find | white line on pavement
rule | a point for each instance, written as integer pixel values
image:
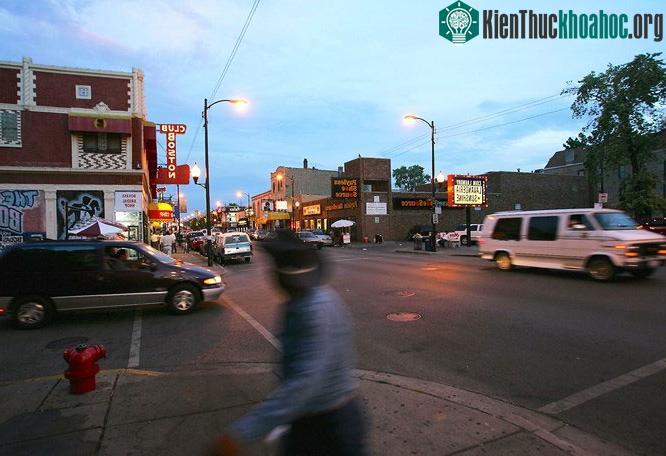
(135, 344)
(595, 391)
(255, 324)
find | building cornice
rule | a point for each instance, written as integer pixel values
(62, 170)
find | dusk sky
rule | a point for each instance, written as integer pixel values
(327, 81)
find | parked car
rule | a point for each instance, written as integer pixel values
(259, 235)
(325, 239)
(41, 279)
(460, 233)
(602, 242)
(310, 238)
(191, 236)
(198, 244)
(655, 224)
(232, 246)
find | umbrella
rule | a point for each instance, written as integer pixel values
(342, 224)
(99, 227)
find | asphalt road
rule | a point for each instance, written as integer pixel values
(529, 337)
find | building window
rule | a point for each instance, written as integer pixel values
(83, 92)
(10, 127)
(103, 143)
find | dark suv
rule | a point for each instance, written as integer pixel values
(42, 278)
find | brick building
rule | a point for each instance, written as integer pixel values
(74, 144)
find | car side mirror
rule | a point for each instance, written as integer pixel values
(579, 227)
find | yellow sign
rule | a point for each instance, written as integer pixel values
(315, 209)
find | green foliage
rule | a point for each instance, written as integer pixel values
(408, 178)
(624, 109)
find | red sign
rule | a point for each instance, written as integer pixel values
(160, 189)
(180, 176)
(155, 214)
(171, 130)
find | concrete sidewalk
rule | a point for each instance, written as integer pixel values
(179, 412)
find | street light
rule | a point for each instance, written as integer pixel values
(291, 214)
(409, 118)
(238, 103)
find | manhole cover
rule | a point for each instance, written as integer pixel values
(404, 316)
(66, 342)
(405, 293)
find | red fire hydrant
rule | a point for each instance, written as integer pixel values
(83, 367)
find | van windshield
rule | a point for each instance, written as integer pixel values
(615, 221)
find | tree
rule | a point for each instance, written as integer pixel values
(624, 108)
(408, 178)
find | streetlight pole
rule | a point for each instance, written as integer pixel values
(433, 234)
(206, 186)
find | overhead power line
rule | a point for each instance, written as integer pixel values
(226, 68)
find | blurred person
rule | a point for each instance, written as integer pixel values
(317, 397)
(155, 240)
(168, 240)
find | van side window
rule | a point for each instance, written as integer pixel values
(542, 228)
(507, 229)
(579, 219)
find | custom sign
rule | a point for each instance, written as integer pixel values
(76, 208)
(339, 205)
(160, 215)
(466, 191)
(416, 203)
(344, 188)
(281, 205)
(171, 174)
(129, 201)
(375, 209)
(315, 209)
(603, 197)
(21, 216)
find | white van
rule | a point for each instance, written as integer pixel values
(599, 241)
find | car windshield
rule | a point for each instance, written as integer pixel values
(236, 239)
(159, 256)
(318, 232)
(615, 221)
(306, 234)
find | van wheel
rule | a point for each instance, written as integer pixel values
(32, 312)
(463, 240)
(503, 261)
(642, 273)
(182, 299)
(601, 269)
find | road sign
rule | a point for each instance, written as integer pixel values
(603, 197)
(438, 210)
(435, 219)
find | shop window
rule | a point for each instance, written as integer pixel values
(10, 127)
(581, 172)
(102, 143)
(319, 224)
(543, 228)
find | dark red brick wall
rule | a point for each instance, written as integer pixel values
(8, 86)
(46, 141)
(59, 89)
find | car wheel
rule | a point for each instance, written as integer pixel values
(182, 299)
(463, 240)
(503, 261)
(642, 273)
(31, 313)
(601, 269)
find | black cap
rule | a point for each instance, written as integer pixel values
(294, 260)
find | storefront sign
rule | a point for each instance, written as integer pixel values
(416, 203)
(344, 188)
(22, 215)
(172, 174)
(375, 209)
(312, 210)
(338, 206)
(158, 214)
(76, 208)
(129, 201)
(466, 190)
(281, 206)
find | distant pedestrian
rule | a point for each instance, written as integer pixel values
(155, 240)
(317, 397)
(167, 243)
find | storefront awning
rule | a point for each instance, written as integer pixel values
(278, 216)
(160, 212)
(100, 123)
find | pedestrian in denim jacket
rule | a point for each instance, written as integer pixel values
(317, 397)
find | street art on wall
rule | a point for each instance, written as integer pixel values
(21, 216)
(76, 208)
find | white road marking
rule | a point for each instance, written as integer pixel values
(135, 344)
(255, 324)
(595, 391)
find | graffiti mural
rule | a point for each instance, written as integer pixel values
(76, 208)
(21, 216)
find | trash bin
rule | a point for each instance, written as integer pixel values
(428, 244)
(418, 243)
